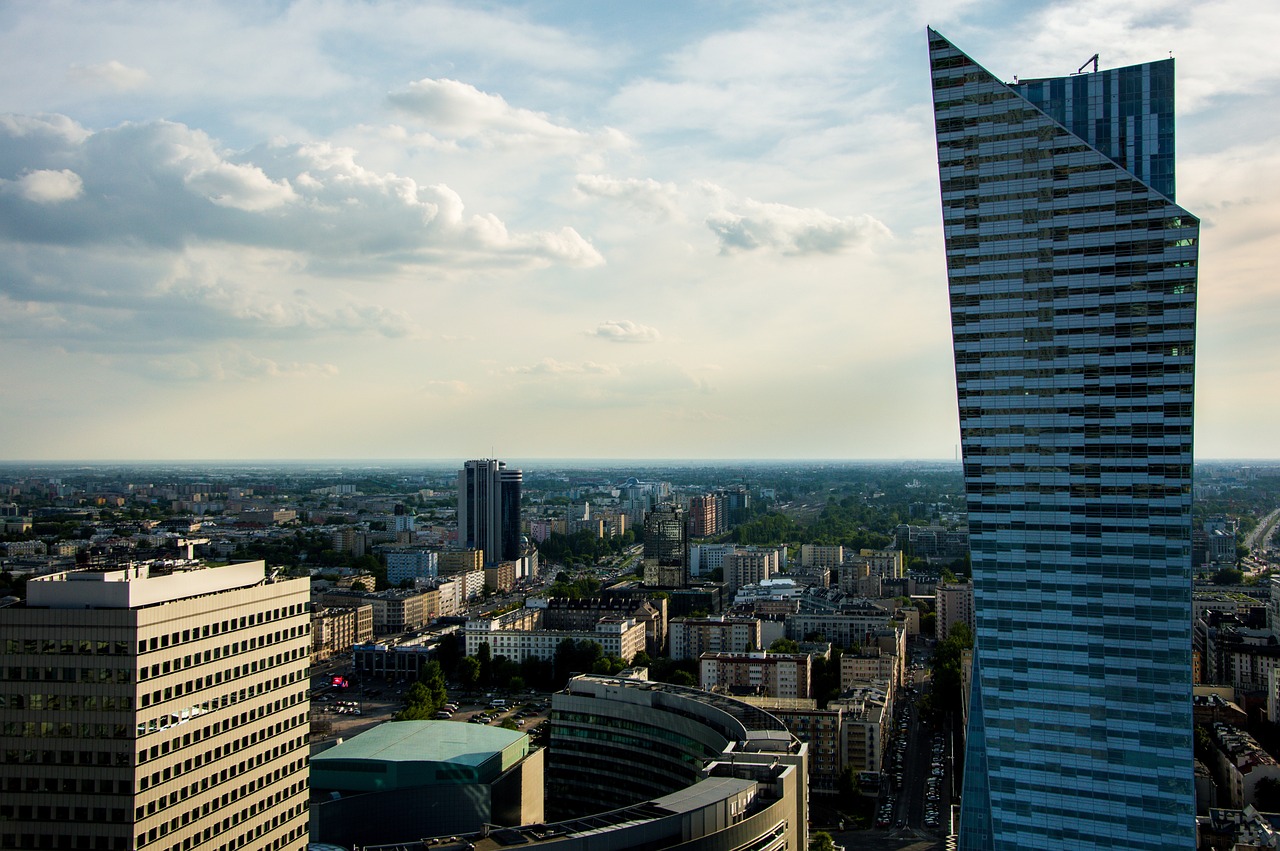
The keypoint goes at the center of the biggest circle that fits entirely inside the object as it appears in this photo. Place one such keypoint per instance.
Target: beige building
(865, 726)
(461, 561)
(820, 728)
(816, 555)
(749, 567)
(953, 604)
(500, 577)
(338, 629)
(761, 673)
(157, 708)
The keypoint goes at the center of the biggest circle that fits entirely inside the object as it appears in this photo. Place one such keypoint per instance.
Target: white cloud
(45, 186)
(626, 331)
(165, 184)
(234, 365)
(111, 74)
(457, 110)
(240, 186)
(749, 225)
(551, 366)
(646, 195)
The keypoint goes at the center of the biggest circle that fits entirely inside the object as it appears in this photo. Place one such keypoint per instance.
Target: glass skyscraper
(1072, 276)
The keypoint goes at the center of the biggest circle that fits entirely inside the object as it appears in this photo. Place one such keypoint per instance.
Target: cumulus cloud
(450, 108)
(165, 184)
(646, 195)
(111, 74)
(750, 225)
(46, 186)
(626, 331)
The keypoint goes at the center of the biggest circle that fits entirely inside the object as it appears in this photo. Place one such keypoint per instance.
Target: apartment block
(691, 637)
(759, 673)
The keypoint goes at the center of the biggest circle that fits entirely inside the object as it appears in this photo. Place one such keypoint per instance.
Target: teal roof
(425, 741)
(404, 754)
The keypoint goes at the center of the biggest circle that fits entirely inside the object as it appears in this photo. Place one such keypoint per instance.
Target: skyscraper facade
(489, 509)
(666, 547)
(156, 707)
(1072, 277)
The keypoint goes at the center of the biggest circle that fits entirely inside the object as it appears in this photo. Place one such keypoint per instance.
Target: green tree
(821, 841)
(784, 645)
(468, 672)
(1267, 795)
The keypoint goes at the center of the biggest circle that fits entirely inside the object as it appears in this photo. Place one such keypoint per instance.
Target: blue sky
(425, 230)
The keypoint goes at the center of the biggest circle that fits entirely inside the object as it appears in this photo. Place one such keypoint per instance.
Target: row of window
(49, 674)
(69, 702)
(220, 676)
(212, 654)
(66, 646)
(162, 642)
(36, 756)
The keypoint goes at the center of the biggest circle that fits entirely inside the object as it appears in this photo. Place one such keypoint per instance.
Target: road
(1261, 533)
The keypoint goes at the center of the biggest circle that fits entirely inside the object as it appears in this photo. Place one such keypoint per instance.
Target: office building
(666, 548)
(156, 707)
(621, 743)
(489, 509)
(1072, 278)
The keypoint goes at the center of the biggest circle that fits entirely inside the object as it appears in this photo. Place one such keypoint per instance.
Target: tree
(682, 678)
(821, 841)
(468, 671)
(784, 645)
(1267, 795)
(1228, 576)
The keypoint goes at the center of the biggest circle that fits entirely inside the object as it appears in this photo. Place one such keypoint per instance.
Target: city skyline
(668, 232)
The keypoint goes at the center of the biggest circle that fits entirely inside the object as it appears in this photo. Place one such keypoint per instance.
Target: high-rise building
(1072, 276)
(666, 547)
(489, 509)
(156, 708)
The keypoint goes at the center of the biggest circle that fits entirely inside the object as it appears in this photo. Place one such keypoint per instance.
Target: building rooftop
(423, 741)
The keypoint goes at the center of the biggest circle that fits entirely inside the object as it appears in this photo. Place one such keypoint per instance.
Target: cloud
(166, 185)
(595, 385)
(111, 74)
(450, 108)
(46, 186)
(551, 366)
(626, 331)
(646, 195)
(749, 225)
(236, 365)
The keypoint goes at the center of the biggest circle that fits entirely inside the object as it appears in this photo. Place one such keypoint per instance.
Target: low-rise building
(760, 673)
(422, 778)
(337, 629)
(691, 637)
(1240, 764)
(519, 635)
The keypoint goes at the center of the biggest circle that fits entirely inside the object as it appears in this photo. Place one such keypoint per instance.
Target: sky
(404, 230)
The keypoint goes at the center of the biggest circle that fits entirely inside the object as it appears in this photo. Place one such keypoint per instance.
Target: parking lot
(339, 714)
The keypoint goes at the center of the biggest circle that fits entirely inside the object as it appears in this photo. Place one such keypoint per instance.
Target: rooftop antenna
(1091, 60)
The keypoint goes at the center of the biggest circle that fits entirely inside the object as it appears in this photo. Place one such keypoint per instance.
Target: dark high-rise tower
(1072, 276)
(489, 509)
(666, 547)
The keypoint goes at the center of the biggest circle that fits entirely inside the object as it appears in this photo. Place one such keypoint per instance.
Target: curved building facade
(641, 765)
